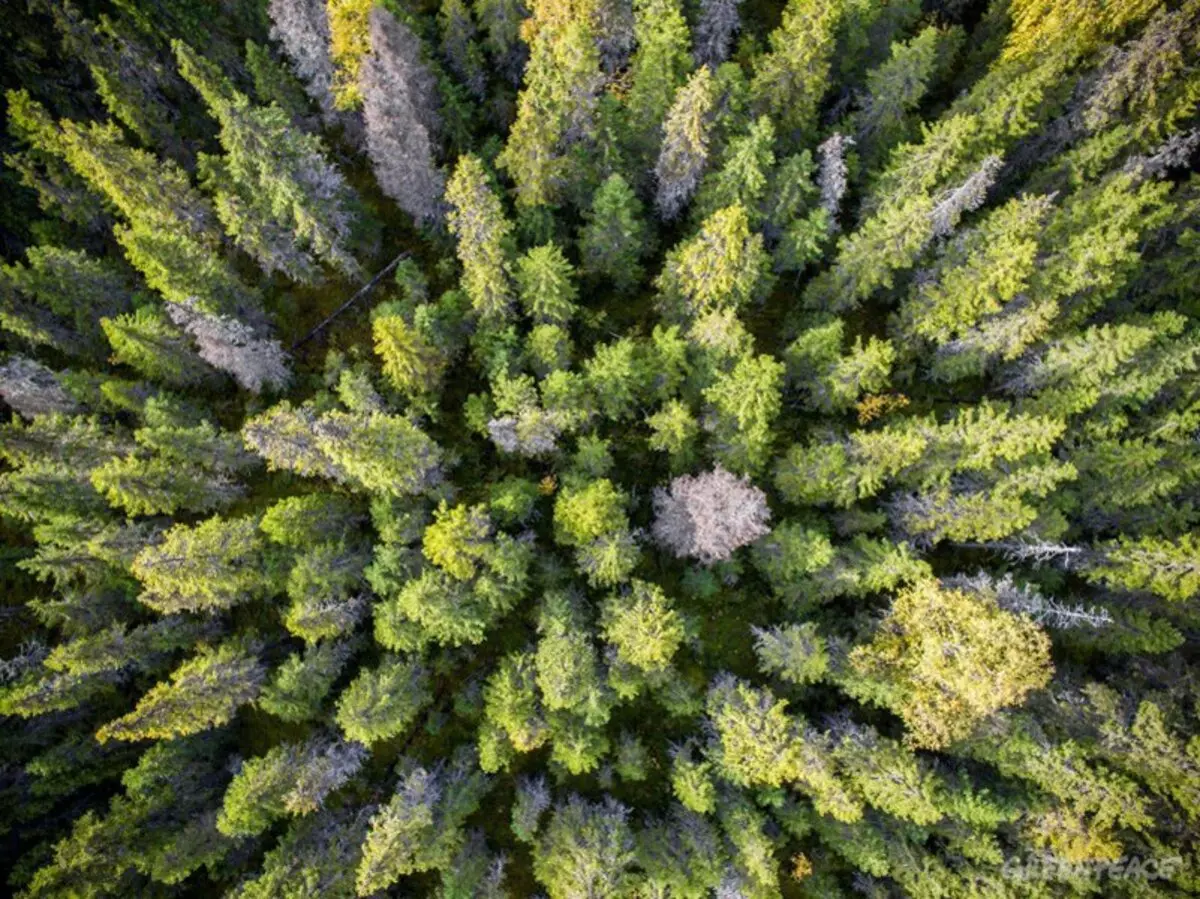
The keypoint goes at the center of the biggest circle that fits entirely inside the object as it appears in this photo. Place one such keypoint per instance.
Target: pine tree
(400, 109)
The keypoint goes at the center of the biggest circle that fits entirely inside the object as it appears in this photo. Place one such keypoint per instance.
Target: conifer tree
(569, 678)
(709, 515)
(545, 285)
(1000, 657)
(556, 110)
(170, 233)
(685, 144)
(382, 702)
(32, 389)
(742, 177)
(382, 453)
(585, 846)
(302, 28)
(298, 686)
(420, 827)
(133, 84)
(400, 110)
(460, 46)
(230, 346)
(659, 66)
(209, 567)
(715, 30)
(477, 219)
(591, 518)
(723, 266)
(757, 741)
(156, 485)
(275, 84)
(791, 79)
(501, 24)
(613, 240)
(290, 779)
(894, 90)
(409, 361)
(318, 855)
(349, 43)
(746, 402)
(643, 626)
(795, 653)
(203, 692)
(58, 297)
(276, 192)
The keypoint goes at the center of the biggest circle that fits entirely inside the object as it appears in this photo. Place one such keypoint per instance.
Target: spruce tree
(400, 110)
(685, 144)
(477, 219)
(276, 192)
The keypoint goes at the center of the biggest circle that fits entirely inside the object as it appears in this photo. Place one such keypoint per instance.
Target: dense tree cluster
(600, 449)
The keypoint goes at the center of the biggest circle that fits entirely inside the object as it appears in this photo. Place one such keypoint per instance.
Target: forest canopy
(600, 449)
